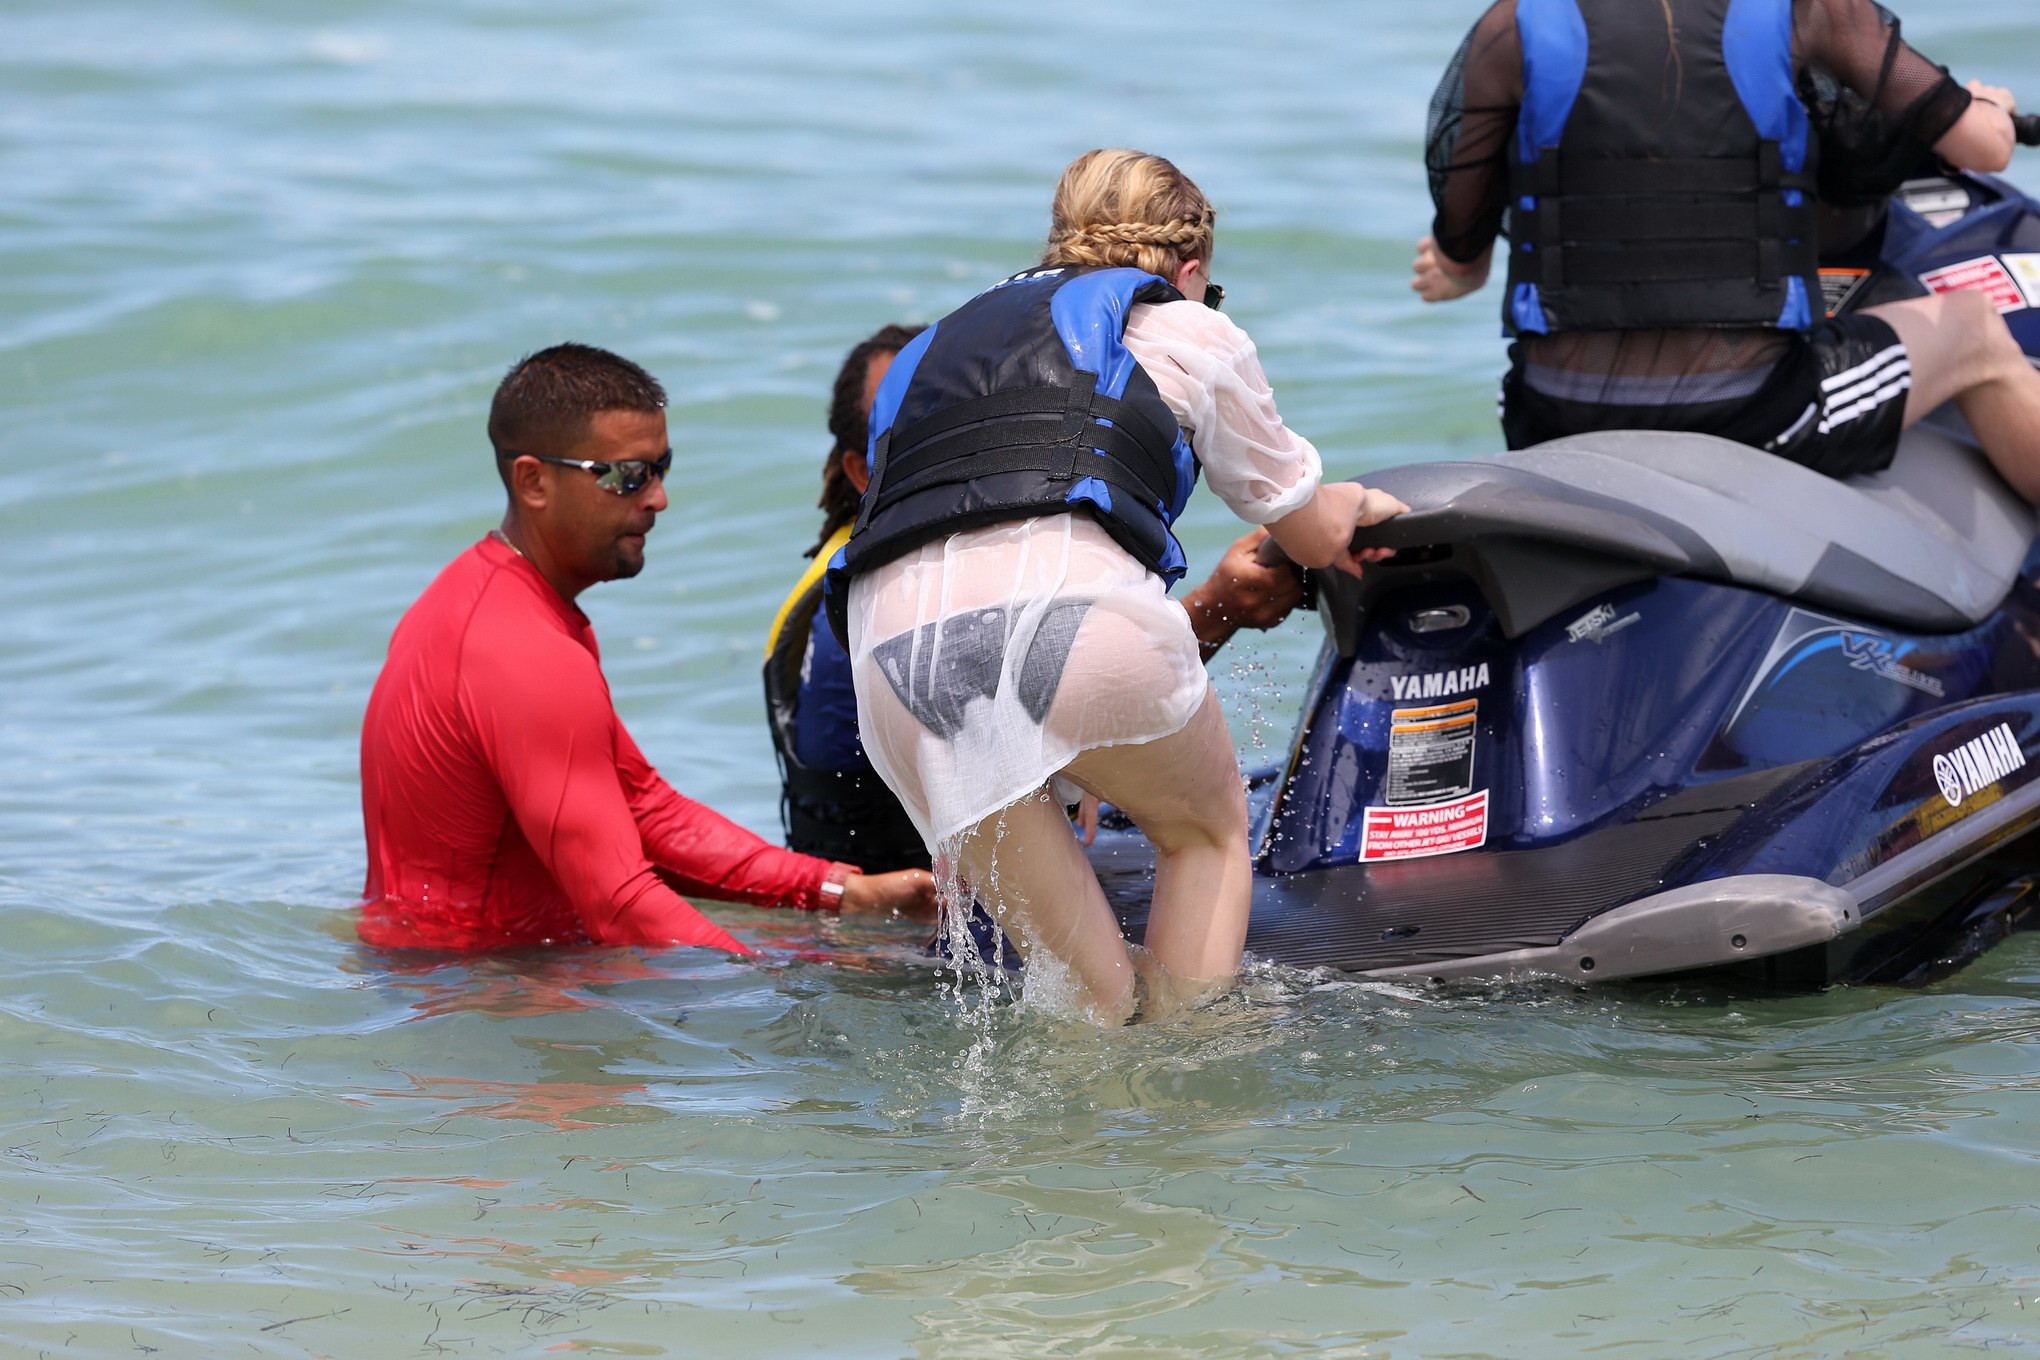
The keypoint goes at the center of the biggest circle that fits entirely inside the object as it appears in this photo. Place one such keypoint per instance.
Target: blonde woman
(1004, 591)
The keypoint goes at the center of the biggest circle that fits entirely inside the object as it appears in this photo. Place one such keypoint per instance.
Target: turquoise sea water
(260, 266)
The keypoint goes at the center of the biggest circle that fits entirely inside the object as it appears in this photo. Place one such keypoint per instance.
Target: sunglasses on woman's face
(1214, 296)
(626, 478)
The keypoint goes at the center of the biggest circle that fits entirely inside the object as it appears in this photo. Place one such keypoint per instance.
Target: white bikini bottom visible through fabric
(987, 661)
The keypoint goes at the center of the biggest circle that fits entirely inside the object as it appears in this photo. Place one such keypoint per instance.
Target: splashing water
(980, 930)
(974, 970)
(1260, 696)
(1254, 683)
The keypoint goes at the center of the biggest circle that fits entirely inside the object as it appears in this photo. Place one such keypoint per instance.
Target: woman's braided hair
(851, 426)
(1128, 208)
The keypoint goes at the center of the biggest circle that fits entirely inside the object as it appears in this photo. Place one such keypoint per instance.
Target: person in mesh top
(1655, 168)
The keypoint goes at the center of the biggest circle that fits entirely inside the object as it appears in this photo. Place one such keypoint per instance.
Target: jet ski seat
(1930, 545)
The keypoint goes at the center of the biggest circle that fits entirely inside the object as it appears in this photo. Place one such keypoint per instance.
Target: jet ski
(1631, 705)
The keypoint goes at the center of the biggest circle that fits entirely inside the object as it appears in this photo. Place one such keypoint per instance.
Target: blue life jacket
(1660, 175)
(1023, 402)
(825, 712)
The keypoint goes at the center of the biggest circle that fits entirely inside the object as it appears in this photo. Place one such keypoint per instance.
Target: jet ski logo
(1598, 624)
(1812, 647)
(1977, 764)
(1875, 655)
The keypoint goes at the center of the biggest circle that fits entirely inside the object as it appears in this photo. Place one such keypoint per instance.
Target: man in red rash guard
(504, 802)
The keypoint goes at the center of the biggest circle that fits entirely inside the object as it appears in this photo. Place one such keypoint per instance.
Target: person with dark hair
(832, 802)
(846, 473)
(505, 805)
(1655, 168)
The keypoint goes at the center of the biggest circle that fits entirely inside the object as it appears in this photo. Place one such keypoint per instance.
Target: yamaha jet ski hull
(1637, 704)
(1670, 776)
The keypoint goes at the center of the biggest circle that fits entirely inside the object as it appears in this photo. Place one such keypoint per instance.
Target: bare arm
(1320, 533)
(1982, 138)
(704, 852)
(1241, 592)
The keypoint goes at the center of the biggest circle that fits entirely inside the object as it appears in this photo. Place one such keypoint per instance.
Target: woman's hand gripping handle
(1321, 534)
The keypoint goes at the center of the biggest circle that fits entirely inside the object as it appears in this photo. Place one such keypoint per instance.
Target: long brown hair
(851, 427)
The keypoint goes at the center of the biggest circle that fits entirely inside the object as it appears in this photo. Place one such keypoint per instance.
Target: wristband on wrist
(829, 896)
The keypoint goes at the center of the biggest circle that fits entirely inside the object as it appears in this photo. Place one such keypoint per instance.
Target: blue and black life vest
(1660, 175)
(1022, 402)
(832, 803)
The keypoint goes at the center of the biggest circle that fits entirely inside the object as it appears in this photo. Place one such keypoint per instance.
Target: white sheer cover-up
(986, 661)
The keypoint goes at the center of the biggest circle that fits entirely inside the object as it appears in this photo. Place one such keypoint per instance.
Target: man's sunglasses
(626, 478)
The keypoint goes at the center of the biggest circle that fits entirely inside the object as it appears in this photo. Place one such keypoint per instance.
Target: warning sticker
(1414, 833)
(1837, 286)
(1985, 274)
(1430, 752)
(2026, 269)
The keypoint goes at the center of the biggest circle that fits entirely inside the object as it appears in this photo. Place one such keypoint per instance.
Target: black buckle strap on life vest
(1596, 223)
(1080, 405)
(1770, 258)
(1770, 167)
(1669, 219)
(971, 453)
(1701, 176)
(1053, 460)
(1665, 177)
(1694, 176)
(1541, 178)
(1692, 262)
(1549, 219)
(1013, 431)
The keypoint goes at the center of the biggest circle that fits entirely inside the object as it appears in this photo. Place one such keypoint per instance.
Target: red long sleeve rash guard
(506, 805)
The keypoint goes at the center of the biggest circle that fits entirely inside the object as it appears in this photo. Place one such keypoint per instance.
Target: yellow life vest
(811, 579)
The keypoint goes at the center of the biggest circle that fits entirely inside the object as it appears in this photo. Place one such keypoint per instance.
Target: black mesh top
(1877, 105)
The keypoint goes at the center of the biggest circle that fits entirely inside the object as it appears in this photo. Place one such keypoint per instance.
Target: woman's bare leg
(1029, 870)
(1962, 351)
(1184, 792)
